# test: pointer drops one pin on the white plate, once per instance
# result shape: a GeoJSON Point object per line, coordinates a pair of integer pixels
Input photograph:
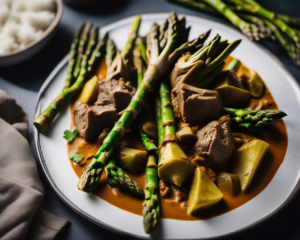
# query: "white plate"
{"type": "Point", "coordinates": [54, 159]}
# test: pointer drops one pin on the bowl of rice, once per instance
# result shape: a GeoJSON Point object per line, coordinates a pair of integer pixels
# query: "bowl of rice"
{"type": "Point", "coordinates": [26, 26]}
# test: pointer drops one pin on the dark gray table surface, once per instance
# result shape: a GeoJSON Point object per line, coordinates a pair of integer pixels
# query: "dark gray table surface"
{"type": "Point", "coordinates": [23, 81]}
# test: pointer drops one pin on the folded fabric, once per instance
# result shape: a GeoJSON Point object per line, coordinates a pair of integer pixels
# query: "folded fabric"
{"type": "Point", "coordinates": [21, 191]}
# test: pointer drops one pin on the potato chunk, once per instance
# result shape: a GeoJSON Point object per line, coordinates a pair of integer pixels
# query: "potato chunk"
{"type": "Point", "coordinates": [89, 92]}
{"type": "Point", "coordinates": [229, 183]}
{"type": "Point", "coordinates": [204, 193]}
{"type": "Point", "coordinates": [132, 160]}
{"type": "Point", "coordinates": [247, 159]}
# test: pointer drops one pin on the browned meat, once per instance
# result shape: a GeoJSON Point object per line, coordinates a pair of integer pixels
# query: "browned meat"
{"type": "Point", "coordinates": [91, 120]}
{"type": "Point", "coordinates": [116, 93]}
{"type": "Point", "coordinates": [215, 142]}
{"type": "Point", "coordinates": [195, 105]}
{"type": "Point", "coordinates": [165, 190]}
{"type": "Point", "coordinates": [172, 192]}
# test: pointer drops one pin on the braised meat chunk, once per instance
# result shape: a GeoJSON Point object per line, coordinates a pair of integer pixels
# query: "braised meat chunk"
{"type": "Point", "coordinates": [116, 93]}
{"type": "Point", "coordinates": [215, 142]}
{"type": "Point", "coordinates": [196, 105]}
{"type": "Point", "coordinates": [91, 120]}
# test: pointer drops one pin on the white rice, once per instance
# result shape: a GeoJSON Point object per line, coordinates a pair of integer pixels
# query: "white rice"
{"type": "Point", "coordinates": [40, 5]}
{"type": "Point", "coordinates": [23, 21]}
{"type": "Point", "coordinates": [38, 20]}
{"type": "Point", "coordinates": [7, 44]}
{"type": "Point", "coordinates": [4, 14]}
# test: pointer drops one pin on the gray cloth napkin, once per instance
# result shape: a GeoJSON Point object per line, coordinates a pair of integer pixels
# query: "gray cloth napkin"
{"type": "Point", "coordinates": [21, 191]}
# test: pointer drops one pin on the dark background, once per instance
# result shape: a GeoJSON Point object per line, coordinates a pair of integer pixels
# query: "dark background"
{"type": "Point", "coordinates": [24, 80]}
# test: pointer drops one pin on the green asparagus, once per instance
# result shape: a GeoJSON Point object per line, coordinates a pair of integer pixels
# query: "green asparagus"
{"type": "Point", "coordinates": [117, 178]}
{"type": "Point", "coordinates": [151, 211]}
{"type": "Point", "coordinates": [43, 121]}
{"type": "Point", "coordinates": [110, 52]}
{"type": "Point", "coordinates": [247, 117]}
{"type": "Point", "coordinates": [158, 65]}
{"type": "Point", "coordinates": [72, 58]}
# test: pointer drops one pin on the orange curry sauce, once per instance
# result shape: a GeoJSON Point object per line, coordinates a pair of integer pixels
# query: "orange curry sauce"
{"type": "Point", "coordinates": [275, 135]}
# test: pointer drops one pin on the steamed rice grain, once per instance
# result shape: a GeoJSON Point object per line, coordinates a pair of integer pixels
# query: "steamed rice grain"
{"type": "Point", "coordinates": [38, 20]}
{"type": "Point", "coordinates": [27, 34]}
{"type": "Point", "coordinates": [7, 45]}
{"type": "Point", "coordinates": [4, 14]}
{"type": "Point", "coordinates": [40, 5]}
{"type": "Point", "coordinates": [23, 21]}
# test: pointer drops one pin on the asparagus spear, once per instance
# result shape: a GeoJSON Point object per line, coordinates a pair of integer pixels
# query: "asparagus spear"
{"type": "Point", "coordinates": [255, 8]}
{"type": "Point", "coordinates": [174, 166]}
{"type": "Point", "coordinates": [197, 5]}
{"type": "Point", "coordinates": [160, 128]}
{"type": "Point", "coordinates": [81, 48]}
{"type": "Point", "coordinates": [110, 52]}
{"type": "Point", "coordinates": [290, 48]}
{"type": "Point", "coordinates": [122, 63]}
{"type": "Point", "coordinates": [158, 65]}
{"type": "Point", "coordinates": [151, 211]}
{"type": "Point", "coordinates": [117, 178]}
{"type": "Point", "coordinates": [247, 117]}
{"type": "Point", "coordinates": [134, 28]}
{"type": "Point", "coordinates": [97, 53]}
{"type": "Point", "coordinates": [234, 65]}
{"type": "Point", "coordinates": [163, 36]}
{"type": "Point", "coordinates": [250, 30]}
{"type": "Point", "coordinates": [138, 61]}
{"type": "Point", "coordinates": [43, 121]}
{"type": "Point", "coordinates": [144, 52]}
{"type": "Point", "coordinates": [294, 22]}
{"type": "Point", "coordinates": [72, 59]}
{"type": "Point", "coordinates": [259, 22]}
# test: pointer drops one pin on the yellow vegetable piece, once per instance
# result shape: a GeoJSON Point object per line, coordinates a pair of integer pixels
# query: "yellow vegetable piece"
{"type": "Point", "coordinates": [174, 166]}
{"type": "Point", "coordinates": [204, 193]}
{"type": "Point", "coordinates": [89, 92]}
{"type": "Point", "coordinates": [247, 159]}
{"type": "Point", "coordinates": [229, 183]}
{"type": "Point", "coordinates": [232, 96]}
{"type": "Point", "coordinates": [186, 135]}
{"type": "Point", "coordinates": [255, 84]}
{"type": "Point", "coordinates": [132, 160]}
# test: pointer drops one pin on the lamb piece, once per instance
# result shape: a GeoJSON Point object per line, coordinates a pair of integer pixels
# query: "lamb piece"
{"type": "Point", "coordinates": [196, 105]}
{"type": "Point", "coordinates": [215, 143]}
{"type": "Point", "coordinates": [91, 120]}
{"type": "Point", "coordinates": [116, 93]}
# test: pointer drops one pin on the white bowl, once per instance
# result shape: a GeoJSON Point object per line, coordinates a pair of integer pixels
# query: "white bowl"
{"type": "Point", "coordinates": [35, 46]}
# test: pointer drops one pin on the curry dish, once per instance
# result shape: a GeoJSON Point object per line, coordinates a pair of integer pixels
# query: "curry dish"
{"type": "Point", "coordinates": [167, 127]}
{"type": "Point", "coordinates": [174, 199]}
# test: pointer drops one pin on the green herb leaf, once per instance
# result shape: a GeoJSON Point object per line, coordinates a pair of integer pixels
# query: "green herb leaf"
{"type": "Point", "coordinates": [75, 157]}
{"type": "Point", "coordinates": [70, 135]}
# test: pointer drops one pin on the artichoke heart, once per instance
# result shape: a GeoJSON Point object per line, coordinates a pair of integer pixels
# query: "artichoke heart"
{"type": "Point", "coordinates": [174, 166]}
{"type": "Point", "coordinates": [185, 70]}
{"type": "Point", "coordinates": [132, 160]}
{"type": "Point", "coordinates": [186, 135]}
{"type": "Point", "coordinates": [231, 89]}
{"type": "Point", "coordinates": [247, 159]}
{"type": "Point", "coordinates": [204, 193]}
{"type": "Point", "coordinates": [255, 84]}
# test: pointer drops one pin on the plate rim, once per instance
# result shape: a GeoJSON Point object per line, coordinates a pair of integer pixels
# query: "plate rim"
{"type": "Point", "coordinates": [87, 216]}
